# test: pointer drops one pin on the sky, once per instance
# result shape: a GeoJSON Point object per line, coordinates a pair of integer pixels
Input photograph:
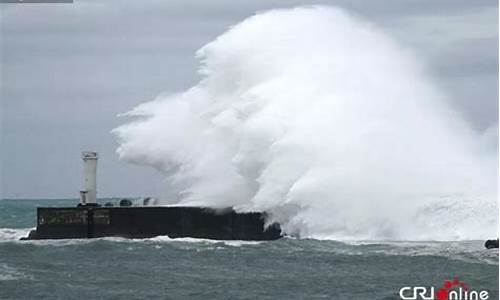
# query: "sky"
{"type": "Point", "coordinates": [68, 70]}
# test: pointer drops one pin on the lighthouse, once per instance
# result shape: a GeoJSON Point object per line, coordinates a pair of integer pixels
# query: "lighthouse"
{"type": "Point", "coordinates": [88, 194]}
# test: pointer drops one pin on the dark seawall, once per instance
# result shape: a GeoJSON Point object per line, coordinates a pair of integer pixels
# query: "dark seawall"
{"type": "Point", "coordinates": [150, 221]}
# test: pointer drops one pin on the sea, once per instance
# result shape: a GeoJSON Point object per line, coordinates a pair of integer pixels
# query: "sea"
{"type": "Point", "coordinates": [186, 268]}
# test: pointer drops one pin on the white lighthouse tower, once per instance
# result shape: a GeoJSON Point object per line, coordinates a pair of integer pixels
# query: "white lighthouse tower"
{"type": "Point", "coordinates": [88, 194]}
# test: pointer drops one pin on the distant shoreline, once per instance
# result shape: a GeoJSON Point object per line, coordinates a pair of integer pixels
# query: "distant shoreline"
{"type": "Point", "coordinates": [65, 199]}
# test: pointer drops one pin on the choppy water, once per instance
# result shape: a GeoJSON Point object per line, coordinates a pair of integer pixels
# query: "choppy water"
{"type": "Point", "coordinates": [163, 268]}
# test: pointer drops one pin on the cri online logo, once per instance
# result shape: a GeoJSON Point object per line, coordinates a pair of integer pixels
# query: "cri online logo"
{"type": "Point", "coordinates": [451, 290]}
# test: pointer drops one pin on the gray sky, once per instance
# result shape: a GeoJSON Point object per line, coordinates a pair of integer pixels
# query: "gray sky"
{"type": "Point", "coordinates": [67, 70]}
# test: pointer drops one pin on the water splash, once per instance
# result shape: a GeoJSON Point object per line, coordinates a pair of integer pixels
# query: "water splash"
{"type": "Point", "coordinates": [325, 122]}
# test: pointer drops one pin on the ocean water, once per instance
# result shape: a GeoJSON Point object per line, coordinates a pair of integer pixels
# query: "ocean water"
{"type": "Point", "coordinates": [164, 268]}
